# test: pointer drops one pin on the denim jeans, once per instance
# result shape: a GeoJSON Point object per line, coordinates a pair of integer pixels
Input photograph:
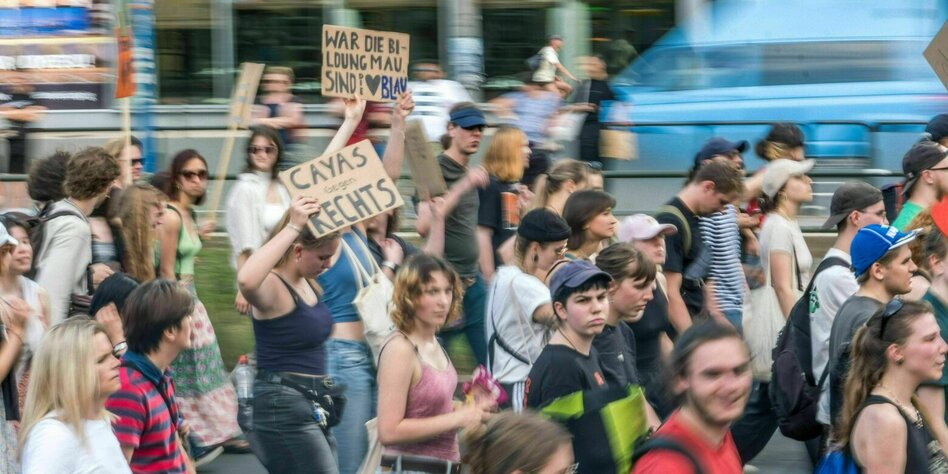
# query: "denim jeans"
{"type": "Point", "coordinates": [350, 363]}
{"type": "Point", "coordinates": [734, 316]}
{"type": "Point", "coordinates": [754, 429]}
{"type": "Point", "coordinates": [475, 305]}
{"type": "Point", "coordinates": [285, 438]}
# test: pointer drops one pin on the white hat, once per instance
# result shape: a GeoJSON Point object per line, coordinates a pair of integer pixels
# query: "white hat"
{"type": "Point", "coordinates": [778, 172]}
{"type": "Point", "coordinates": [642, 227]}
{"type": "Point", "coordinates": [6, 238]}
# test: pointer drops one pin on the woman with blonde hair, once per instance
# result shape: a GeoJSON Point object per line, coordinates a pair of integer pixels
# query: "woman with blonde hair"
{"type": "Point", "coordinates": [502, 201]}
{"type": "Point", "coordinates": [416, 411]}
{"type": "Point", "coordinates": [517, 444]}
{"type": "Point", "coordinates": [883, 424]}
{"type": "Point", "coordinates": [66, 428]}
{"type": "Point", "coordinates": [555, 186]}
{"type": "Point", "coordinates": [291, 325]}
{"type": "Point", "coordinates": [128, 152]}
{"type": "Point", "coordinates": [136, 219]}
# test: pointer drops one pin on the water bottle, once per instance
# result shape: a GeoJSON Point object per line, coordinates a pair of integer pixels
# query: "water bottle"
{"type": "Point", "coordinates": [243, 380]}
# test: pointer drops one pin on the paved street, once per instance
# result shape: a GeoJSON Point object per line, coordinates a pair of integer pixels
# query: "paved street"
{"type": "Point", "coordinates": [781, 456]}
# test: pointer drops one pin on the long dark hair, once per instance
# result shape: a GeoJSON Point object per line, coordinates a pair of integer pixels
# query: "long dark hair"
{"type": "Point", "coordinates": [177, 165]}
{"type": "Point", "coordinates": [582, 207]}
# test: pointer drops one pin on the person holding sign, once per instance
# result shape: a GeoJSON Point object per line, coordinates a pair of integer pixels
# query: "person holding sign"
{"type": "Point", "coordinates": [278, 108]}
{"type": "Point", "coordinates": [291, 323]}
{"type": "Point", "coordinates": [205, 395]}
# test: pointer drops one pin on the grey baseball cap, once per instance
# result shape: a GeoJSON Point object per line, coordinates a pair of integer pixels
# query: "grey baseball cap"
{"type": "Point", "coordinates": [851, 196]}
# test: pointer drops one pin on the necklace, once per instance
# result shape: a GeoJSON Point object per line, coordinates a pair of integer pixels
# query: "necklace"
{"type": "Point", "coordinates": [567, 339]}
{"type": "Point", "coordinates": [918, 421]}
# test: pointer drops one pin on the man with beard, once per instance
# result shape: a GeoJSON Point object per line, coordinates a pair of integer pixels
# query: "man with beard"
{"type": "Point", "coordinates": [466, 128]}
{"type": "Point", "coordinates": [710, 366]}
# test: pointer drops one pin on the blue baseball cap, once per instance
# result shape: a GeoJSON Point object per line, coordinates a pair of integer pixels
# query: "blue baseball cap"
{"type": "Point", "coordinates": [718, 146]}
{"type": "Point", "coordinates": [873, 241]}
{"type": "Point", "coordinates": [468, 117]}
{"type": "Point", "coordinates": [574, 274]}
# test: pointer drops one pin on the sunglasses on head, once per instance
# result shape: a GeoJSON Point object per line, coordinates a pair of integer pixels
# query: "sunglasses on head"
{"type": "Point", "coordinates": [891, 309]}
{"type": "Point", "coordinates": [189, 175]}
{"type": "Point", "coordinates": [269, 149]}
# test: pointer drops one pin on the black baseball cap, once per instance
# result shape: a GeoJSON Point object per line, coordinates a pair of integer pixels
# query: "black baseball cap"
{"type": "Point", "coordinates": [937, 128]}
{"type": "Point", "coordinates": [718, 146]}
{"type": "Point", "coordinates": [543, 225]}
{"type": "Point", "coordinates": [851, 196]}
{"type": "Point", "coordinates": [922, 156]}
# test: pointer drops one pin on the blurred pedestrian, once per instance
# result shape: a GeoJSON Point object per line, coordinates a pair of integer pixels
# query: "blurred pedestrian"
{"type": "Point", "coordinates": [555, 186]}
{"type": "Point", "coordinates": [205, 395]}
{"type": "Point", "coordinates": [710, 373]}
{"type": "Point", "coordinates": [653, 332]}
{"type": "Point", "coordinates": [66, 427]}
{"type": "Point", "coordinates": [923, 186]}
{"type": "Point", "coordinates": [257, 202]}
{"type": "Point", "coordinates": [20, 112]}
{"type": "Point", "coordinates": [279, 109]}
{"type": "Point", "coordinates": [532, 109]}
{"type": "Point", "coordinates": [128, 152]}
{"type": "Point", "coordinates": [784, 141]}
{"type": "Point", "coordinates": [14, 314]}
{"type": "Point", "coordinates": [148, 423]}
{"type": "Point", "coordinates": [591, 223]}
{"type": "Point", "coordinates": [549, 65]}
{"type": "Point", "coordinates": [883, 423]}
{"type": "Point", "coordinates": [416, 378]}
{"type": "Point", "coordinates": [591, 97]}
{"type": "Point", "coordinates": [65, 254]}
{"type": "Point", "coordinates": [136, 220]}
{"type": "Point", "coordinates": [434, 96]}
{"type": "Point", "coordinates": [519, 309]}
{"type": "Point", "coordinates": [502, 201]}
{"type": "Point", "coordinates": [291, 326]}
{"type": "Point", "coordinates": [510, 443]}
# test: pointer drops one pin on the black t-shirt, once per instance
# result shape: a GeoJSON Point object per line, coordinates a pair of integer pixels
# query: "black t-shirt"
{"type": "Point", "coordinates": [595, 92]}
{"type": "Point", "coordinates": [492, 213]}
{"type": "Point", "coordinates": [560, 371]}
{"type": "Point", "coordinates": [648, 331]}
{"type": "Point", "coordinates": [693, 265]}
{"type": "Point", "coordinates": [617, 355]}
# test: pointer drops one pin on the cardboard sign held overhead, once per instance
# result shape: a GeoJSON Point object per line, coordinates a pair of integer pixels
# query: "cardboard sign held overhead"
{"type": "Point", "coordinates": [937, 54]}
{"type": "Point", "coordinates": [424, 167]}
{"type": "Point", "coordinates": [351, 186]}
{"type": "Point", "coordinates": [371, 64]}
{"type": "Point", "coordinates": [245, 91]}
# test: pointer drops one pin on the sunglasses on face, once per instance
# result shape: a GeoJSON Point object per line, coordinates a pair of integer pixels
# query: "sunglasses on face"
{"type": "Point", "coordinates": [275, 81]}
{"type": "Point", "coordinates": [189, 175]}
{"type": "Point", "coordinates": [137, 161]}
{"type": "Point", "coordinates": [261, 149]}
{"type": "Point", "coordinates": [891, 309]}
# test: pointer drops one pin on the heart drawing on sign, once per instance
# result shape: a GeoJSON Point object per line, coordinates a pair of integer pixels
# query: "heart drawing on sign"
{"type": "Point", "coordinates": [373, 82]}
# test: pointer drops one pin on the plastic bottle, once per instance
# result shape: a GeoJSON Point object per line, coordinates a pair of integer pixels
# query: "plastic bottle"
{"type": "Point", "coordinates": [243, 380]}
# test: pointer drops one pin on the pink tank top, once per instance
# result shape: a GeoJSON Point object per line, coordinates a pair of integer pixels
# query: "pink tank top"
{"type": "Point", "coordinates": [432, 396]}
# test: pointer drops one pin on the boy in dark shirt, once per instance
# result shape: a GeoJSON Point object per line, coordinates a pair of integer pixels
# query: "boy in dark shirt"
{"type": "Point", "coordinates": [569, 363]}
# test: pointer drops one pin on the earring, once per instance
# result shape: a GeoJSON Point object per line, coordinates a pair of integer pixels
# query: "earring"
{"type": "Point", "coordinates": [536, 258]}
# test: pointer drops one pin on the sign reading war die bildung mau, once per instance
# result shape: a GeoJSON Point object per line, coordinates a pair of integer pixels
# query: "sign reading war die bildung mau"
{"type": "Point", "coordinates": [371, 64]}
{"type": "Point", "coordinates": [351, 186]}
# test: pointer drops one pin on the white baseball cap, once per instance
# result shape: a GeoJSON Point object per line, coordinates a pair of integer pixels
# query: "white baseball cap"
{"type": "Point", "coordinates": [778, 172]}
{"type": "Point", "coordinates": [6, 238]}
{"type": "Point", "coordinates": [642, 227]}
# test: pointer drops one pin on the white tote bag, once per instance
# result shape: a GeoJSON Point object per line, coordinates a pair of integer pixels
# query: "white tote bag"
{"type": "Point", "coordinates": [763, 320]}
{"type": "Point", "coordinates": [373, 457]}
{"type": "Point", "coordinates": [373, 299]}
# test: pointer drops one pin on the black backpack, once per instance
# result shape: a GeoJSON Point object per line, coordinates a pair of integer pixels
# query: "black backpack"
{"type": "Point", "coordinates": [38, 232]}
{"type": "Point", "coordinates": [794, 394]}
{"type": "Point", "coordinates": [664, 443]}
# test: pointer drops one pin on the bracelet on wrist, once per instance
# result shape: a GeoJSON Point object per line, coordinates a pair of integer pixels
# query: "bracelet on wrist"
{"type": "Point", "coordinates": [118, 348]}
{"type": "Point", "coordinates": [390, 265]}
{"type": "Point", "coordinates": [298, 229]}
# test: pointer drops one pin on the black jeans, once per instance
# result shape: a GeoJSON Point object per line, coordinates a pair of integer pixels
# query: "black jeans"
{"type": "Point", "coordinates": [285, 438]}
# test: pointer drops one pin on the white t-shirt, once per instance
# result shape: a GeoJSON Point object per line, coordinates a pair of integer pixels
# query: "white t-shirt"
{"type": "Point", "coordinates": [53, 448]}
{"type": "Point", "coordinates": [779, 234]}
{"type": "Point", "coordinates": [831, 288]}
{"type": "Point", "coordinates": [546, 71]}
{"type": "Point", "coordinates": [514, 296]}
{"type": "Point", "coordinates": [433, 99]}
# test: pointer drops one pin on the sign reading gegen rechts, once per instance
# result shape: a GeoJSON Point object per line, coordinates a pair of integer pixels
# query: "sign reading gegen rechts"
{"type": "Point", "coordinates": [351, 186]}
{"type": "Point", "coordinates": [371, 64]}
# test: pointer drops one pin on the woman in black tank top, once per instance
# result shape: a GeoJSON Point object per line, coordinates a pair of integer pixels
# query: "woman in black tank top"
{"type": "Point", "coordinates": [883, 423]}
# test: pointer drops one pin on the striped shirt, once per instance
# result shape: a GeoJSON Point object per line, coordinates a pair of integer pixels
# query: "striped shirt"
{"type": "Point", "coordinates": [722, 237]}
{"type": "Point", "coordinates": [144, 420]}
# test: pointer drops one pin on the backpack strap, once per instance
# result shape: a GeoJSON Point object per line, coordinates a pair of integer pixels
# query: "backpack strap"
{"type": "Point", "coordinates": [685, 229]}
{"type": "Point", "coordinates": [496, 340]}
{"type": "Point", "coordinates": [667, 443]}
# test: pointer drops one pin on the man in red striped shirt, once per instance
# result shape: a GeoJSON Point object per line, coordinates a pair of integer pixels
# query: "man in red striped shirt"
{"type": "Point", "coordinates": [157, 320]}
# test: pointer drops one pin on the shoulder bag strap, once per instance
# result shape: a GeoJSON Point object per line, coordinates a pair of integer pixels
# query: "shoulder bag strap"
{"type": "Point", "coordinates": [685, 228]}
{"type": "Point", "coordinates": [495, 337]}
{"type": "Point", "coordinates": [667, 443]}
{"type": "Point", "coordinates": [362, 277]}
{"type": "Point", "coordinates": [373, 265]}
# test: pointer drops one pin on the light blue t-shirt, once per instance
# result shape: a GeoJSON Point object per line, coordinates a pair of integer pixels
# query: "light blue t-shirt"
{"type": "Point", "coordinates": [339, 283]}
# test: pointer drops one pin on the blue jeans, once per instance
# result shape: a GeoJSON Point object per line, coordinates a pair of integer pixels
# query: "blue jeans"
{"type": "Point", "coordinates": [285, 438]}
{"type": "Point", "coordinates": [350, 363]}
{"type": "Point", "coordinates": [734, 316]}
{"type": "Point", "coordinates": [475, 306]}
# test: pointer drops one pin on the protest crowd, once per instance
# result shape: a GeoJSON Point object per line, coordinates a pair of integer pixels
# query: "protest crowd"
{"type": "Point", "coordinates": [644, 344]}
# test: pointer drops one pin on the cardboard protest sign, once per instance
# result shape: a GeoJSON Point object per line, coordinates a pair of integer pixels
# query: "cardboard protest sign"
{"type": "Point", "coordinates": [937, 54]}
{"type": "Point", "coordinates": [371, 64]}
{"type": "Point", "coordinates": [424, 167]}
{"type": "Point", "coordinates": [124, 85]}
{"type": "Point", "coordinates": [245, 91]}
{"type": "Point", "coordinates": [351, 186]}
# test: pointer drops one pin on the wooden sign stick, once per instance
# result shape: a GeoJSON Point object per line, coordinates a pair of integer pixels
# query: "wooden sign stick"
{"type": "Point", "coordinates": [241, 103]}
{"type": "Point", "coordinates": [127, 130]}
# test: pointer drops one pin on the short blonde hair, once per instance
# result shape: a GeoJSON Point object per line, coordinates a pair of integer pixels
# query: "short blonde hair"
{"type": "Point", "coordinates": [504, 159]}
{"type": "Point", "coordinates": [63, 377]}
{"type": "Point", "coordinates": [410, 281]}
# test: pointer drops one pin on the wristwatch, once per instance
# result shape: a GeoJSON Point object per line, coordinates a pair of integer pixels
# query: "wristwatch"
{"type": "Point", "coordinates": [118, 348]}
{"type": "Point", "coordinates": [390, 265]}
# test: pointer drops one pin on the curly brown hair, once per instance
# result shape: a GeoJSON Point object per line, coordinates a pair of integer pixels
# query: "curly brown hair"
{"type": "Point", "coordinates": [89, 173]}
{"type": "Point", "coordinates": [410, 281]}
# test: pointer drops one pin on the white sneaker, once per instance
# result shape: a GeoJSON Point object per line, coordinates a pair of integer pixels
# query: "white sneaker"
{"type": "Point", "coordinates": [207, 457]}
